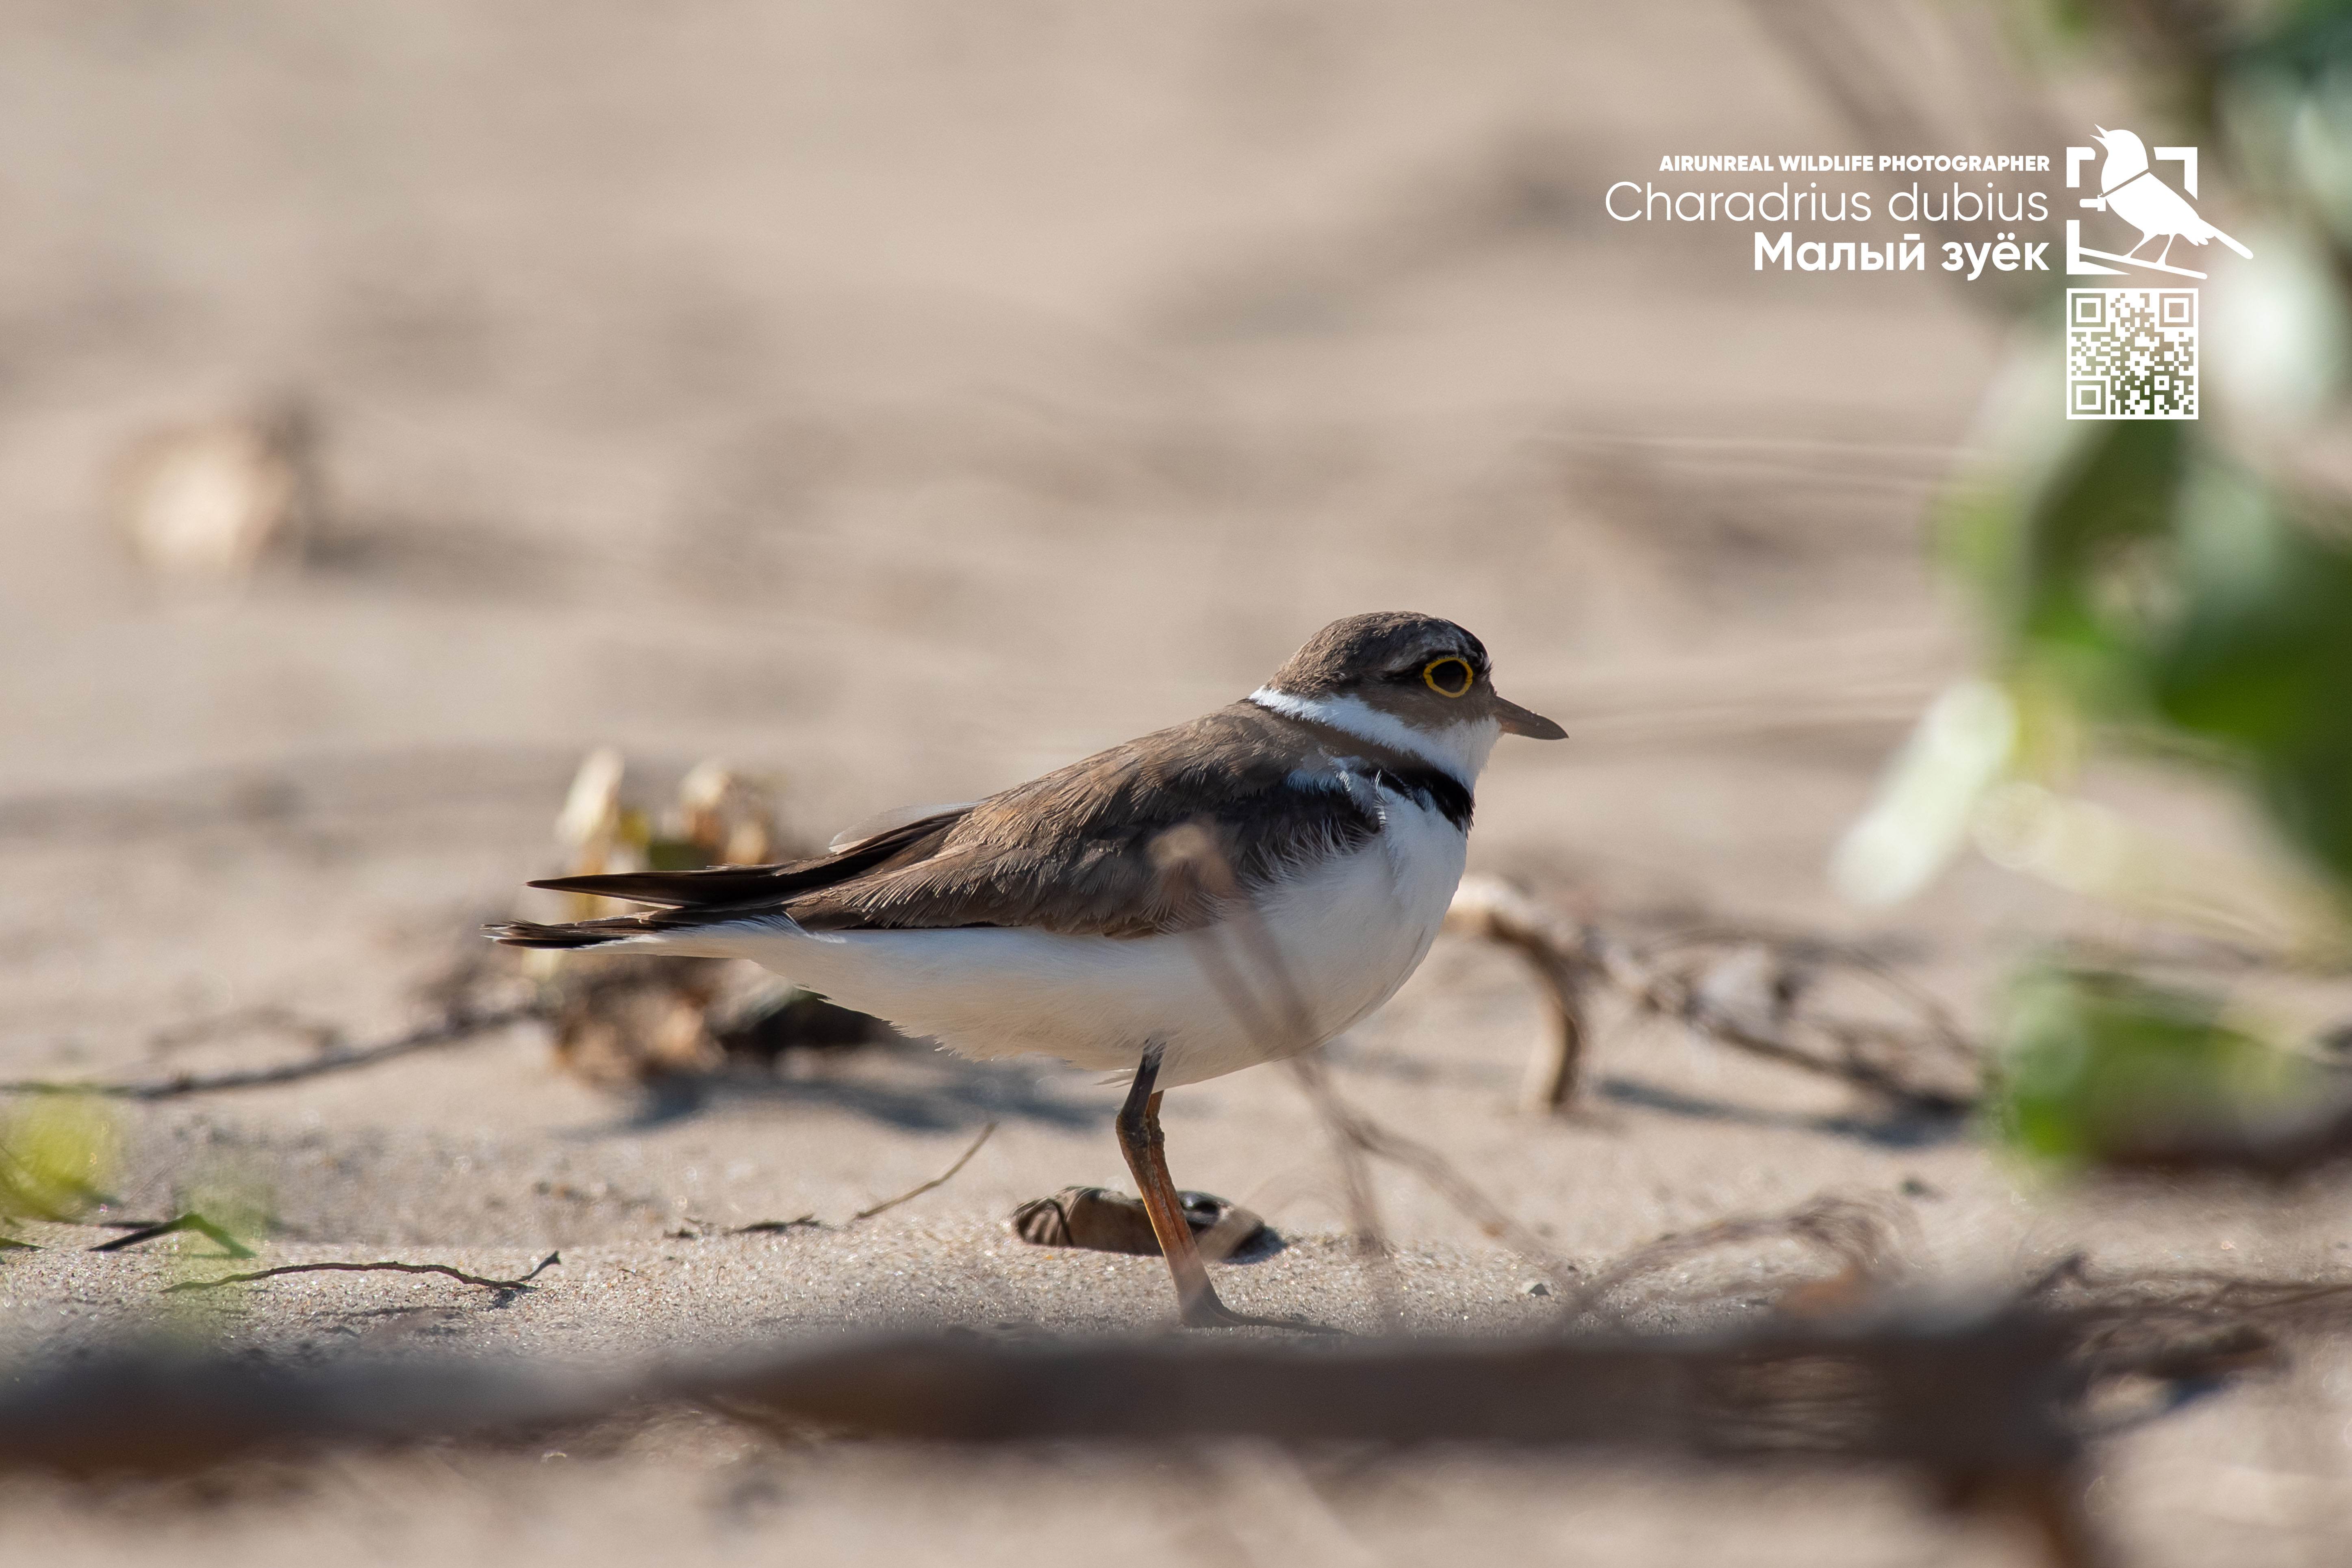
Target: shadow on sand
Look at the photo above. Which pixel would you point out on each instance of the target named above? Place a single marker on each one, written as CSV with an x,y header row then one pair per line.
x,y
1891,1130
923,1092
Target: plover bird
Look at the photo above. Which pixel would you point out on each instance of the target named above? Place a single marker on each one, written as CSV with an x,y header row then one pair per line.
x,y
1335,800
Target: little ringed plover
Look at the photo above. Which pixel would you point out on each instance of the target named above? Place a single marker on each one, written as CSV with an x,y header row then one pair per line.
x,y
1047,918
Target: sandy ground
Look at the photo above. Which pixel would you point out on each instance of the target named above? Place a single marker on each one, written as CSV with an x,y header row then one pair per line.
x,y
904,401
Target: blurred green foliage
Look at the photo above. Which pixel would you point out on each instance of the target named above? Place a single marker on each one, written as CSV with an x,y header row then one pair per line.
x,y
228,1194
2183,590
56,1156
2163,591
2099,1064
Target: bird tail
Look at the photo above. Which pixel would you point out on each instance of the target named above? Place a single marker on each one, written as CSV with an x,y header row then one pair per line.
x,y
2232,243
586,933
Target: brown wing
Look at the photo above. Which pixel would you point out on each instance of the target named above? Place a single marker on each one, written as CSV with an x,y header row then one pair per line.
x,y
765,886
1071,851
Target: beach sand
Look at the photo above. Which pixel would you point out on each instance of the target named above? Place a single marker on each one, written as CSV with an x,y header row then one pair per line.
x,y
902,403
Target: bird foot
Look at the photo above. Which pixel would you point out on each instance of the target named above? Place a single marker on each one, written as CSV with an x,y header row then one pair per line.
x,y
1208,1312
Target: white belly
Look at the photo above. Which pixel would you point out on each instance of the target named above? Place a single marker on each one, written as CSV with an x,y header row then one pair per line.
x,y
1348,934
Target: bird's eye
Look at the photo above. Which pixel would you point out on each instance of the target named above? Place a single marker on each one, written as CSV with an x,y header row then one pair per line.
x,y
1449,677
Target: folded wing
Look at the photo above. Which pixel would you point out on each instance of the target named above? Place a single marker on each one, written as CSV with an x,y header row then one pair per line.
x,y
1069,852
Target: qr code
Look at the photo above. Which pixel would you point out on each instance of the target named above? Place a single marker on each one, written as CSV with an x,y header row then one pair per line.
x,y
2131,353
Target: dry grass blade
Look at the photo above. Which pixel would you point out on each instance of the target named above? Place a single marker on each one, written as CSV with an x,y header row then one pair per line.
x,y
459,1275
198,1223
778,1226
443,1031
1860,1237
1358,1132
938,1180
1194,851
1192,854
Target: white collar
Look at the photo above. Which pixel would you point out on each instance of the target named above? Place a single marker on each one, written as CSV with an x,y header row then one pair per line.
x,y
1459,751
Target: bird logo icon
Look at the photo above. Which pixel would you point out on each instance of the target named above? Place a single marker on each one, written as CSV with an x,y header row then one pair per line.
x,y
2131,189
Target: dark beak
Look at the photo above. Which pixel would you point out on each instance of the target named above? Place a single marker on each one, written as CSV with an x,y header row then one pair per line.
x,y
1518,720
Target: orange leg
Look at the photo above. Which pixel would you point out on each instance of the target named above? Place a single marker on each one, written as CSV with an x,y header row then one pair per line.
x,y
1140,1138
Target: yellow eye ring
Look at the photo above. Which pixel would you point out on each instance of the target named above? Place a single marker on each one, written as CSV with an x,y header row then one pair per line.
x,y
1442,685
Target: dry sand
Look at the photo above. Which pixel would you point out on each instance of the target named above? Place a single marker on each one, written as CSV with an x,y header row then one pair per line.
x,y
906,401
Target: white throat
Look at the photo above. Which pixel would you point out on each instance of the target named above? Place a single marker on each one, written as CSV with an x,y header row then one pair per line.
x,y
1459,751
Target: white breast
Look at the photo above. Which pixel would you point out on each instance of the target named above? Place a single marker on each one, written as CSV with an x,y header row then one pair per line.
x,y
1348,934
1354,934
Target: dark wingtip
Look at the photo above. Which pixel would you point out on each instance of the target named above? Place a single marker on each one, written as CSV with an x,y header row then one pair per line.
x,y
530,933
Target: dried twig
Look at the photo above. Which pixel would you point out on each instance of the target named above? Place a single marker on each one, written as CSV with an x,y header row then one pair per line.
x,y
938,1180
1560,953
444,1031
1936,1020
810,1221
1982,1402
1195,852
1569,956
229,1245
550,1261
1994,1380
1192,856
2130,1311
1860,1235
1356,1131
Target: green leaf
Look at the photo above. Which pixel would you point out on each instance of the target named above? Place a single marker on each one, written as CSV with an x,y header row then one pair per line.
x,y
2260,660
2094,1062
54,1155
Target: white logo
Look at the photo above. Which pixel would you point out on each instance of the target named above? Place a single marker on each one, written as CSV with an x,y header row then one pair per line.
x,y
2131,190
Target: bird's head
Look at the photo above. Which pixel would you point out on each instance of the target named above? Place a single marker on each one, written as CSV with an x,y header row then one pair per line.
x,y
1423,676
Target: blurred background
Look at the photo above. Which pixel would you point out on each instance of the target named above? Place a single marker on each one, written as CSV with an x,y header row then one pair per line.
x,y
892,401
908,403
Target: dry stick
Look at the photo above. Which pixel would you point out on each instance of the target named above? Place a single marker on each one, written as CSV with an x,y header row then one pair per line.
x,y
1553,949
1858,1235
1449,1183
1191,860
1352,1129
1955,1397
1355,1178
1942,1024
447,1031
195,1222
1487,906
775,1226
550,1261
938,1180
